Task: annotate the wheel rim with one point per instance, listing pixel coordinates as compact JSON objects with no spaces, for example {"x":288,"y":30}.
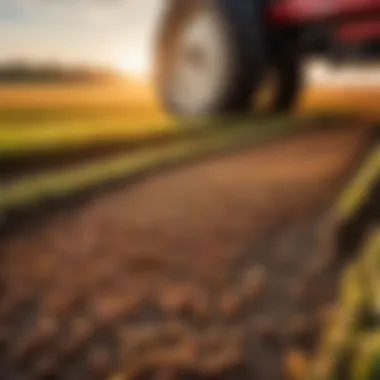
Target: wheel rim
{"x":201,"y":64}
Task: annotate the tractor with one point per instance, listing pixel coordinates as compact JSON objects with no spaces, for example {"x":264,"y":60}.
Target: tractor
{"x":221,"y":56}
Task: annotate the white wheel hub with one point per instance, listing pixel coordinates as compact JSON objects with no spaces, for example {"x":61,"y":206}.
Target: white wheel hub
{"x":201,"y":64}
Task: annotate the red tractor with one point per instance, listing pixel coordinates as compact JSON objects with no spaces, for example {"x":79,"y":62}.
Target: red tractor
{"x":216,"y":56}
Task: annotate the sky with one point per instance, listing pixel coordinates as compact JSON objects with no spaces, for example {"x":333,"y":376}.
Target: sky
{"x":115,"y":33}
{"x":101,"y":32}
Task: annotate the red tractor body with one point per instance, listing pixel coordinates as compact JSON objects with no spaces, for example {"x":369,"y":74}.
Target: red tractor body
{"x":215,"y":55}
{"x":301,"y":11}
{"x":355,"y":20}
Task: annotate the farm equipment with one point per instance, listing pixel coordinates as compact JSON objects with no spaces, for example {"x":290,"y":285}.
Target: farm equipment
{"x":217,"y":56}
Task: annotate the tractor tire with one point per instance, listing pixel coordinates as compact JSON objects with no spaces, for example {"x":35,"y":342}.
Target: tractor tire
{"x":210,"y":56}
{"x":289,"y":85}
{"x":285,"y":75}
{"x":288,"y":59}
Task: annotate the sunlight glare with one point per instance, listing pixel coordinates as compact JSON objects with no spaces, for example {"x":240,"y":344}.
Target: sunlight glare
{"x":133,"y":64}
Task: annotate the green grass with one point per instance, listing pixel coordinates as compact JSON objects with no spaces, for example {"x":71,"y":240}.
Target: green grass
{"x":53,"y":134}
{"x":360,"y":187}
{"x":359,"y":294}
{"x":62,"y":128}
{"x":346,"y":332}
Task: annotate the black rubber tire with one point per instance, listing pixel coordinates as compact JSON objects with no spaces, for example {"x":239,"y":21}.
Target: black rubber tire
{"x":289,"y":86}
{"x":287,"y":61}
{"x":284,"y":65}
{"x":243,"y":21}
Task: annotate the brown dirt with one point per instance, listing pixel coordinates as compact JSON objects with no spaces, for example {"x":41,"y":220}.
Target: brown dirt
{"x":214,"y":271}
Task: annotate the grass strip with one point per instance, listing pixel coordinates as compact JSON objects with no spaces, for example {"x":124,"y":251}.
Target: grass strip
{"x":360,"y":187}
{"x":39,"y":187}
{"x":50,"y":137}
{"x":61,"y":137}
{"x":345,"y":332}
{"x":40,"y":138}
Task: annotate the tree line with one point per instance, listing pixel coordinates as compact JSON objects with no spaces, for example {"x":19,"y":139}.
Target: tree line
{"x":23,"y":72}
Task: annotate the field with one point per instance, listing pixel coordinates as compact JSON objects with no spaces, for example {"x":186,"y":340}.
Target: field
{"x":62,"y":117}
{"x":221,"y":269}
{"x":214,"y":270}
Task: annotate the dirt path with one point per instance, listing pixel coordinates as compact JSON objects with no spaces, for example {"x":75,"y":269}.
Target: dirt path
{"x":210,"y":271}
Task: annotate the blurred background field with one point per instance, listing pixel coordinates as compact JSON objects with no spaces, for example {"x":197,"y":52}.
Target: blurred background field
{"x":58,"y":115}
{"x":25,"y":102}
{"x":63,"y":116}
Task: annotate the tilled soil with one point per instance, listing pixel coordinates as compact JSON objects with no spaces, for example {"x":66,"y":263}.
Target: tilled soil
{"x":213,"y":271}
